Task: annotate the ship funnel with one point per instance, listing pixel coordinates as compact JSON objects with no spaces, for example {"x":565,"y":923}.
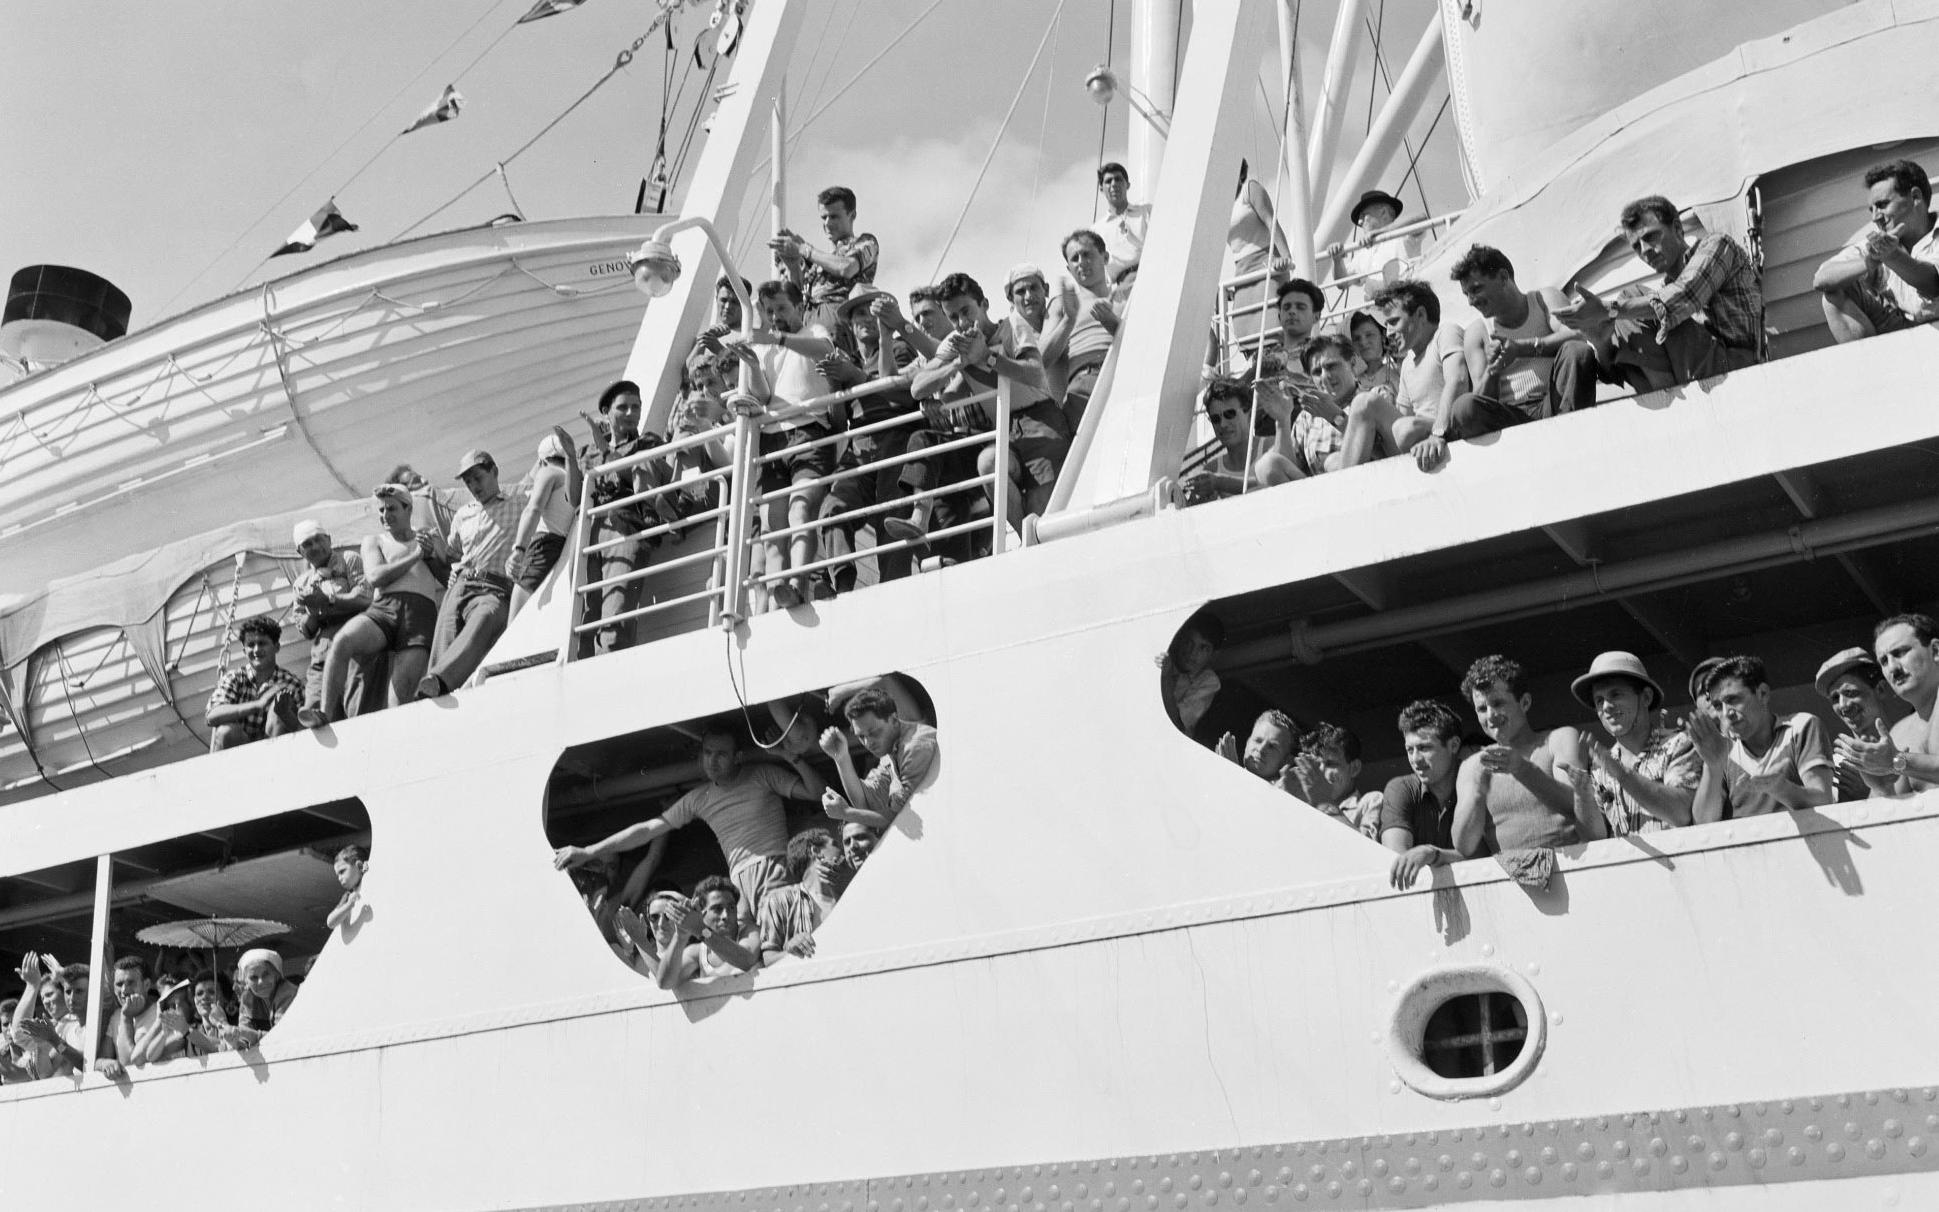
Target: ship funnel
{"x":55,"y":314}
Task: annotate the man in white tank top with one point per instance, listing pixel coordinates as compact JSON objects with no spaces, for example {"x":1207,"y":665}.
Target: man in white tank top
{"x":1525,"y":364}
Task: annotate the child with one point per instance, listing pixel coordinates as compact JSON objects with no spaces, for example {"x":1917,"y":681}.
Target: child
{"x":264,"y":994}
{"x":1186,"y":682}
{"x":351,"y":863}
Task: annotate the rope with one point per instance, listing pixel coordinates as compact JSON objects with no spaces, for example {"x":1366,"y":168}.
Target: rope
{"x":740,"y":696}
{"x":375,"y":114}
{"x":834,"y":53}
{"x":1043,"y":129}
{"x":1380,"y":64}
{"x":505,"y":177}
{"x":620,"y":63}
{"x":67,"y":693}
{"x":1104,"y":119}
{"x":229,"y":623}
{"x":1042,"y":44}
{"x":1413,"y":159}
{"x":853,"y":80}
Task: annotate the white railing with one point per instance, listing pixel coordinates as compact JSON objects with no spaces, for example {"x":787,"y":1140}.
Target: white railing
{"x":738,"y":582}
{"x":1251,"y":294}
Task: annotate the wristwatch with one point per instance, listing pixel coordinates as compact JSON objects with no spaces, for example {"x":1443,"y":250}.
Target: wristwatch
{"x":1900,"y":763}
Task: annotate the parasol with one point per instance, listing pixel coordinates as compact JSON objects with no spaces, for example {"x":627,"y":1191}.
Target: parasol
{"x":213,"y":933}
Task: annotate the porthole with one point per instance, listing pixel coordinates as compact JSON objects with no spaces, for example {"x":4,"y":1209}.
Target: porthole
{"x":1467,"y":1032}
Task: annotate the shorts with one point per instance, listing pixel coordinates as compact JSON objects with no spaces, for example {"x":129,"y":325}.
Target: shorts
{"x":1039,"y":440}
{"x":781,"y":473}
{"x":540,"y":556}
{"x":408,"y":620}
{"x":754,"y":877}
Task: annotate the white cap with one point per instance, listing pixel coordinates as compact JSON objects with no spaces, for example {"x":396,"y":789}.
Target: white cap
{"x":306,"y":530}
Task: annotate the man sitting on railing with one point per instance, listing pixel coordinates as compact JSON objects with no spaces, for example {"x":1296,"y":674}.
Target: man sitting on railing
{"x":1706,"y":319}
{"x":1433,"y":372}
{"x":1887,"y":277}
{"x":827,"y":279}
{"x":969,"y":362}
{"x":793,"y":452}
{"x":477,"y":602}
{"x":330,"y":591}
{"x":1244,"y":459}
{"x":1310,"y":421}
{"x":1029,"y":294}
{"x":1524,"y":361}
{"x":875,"y":327}
{"x":1081,"y":323}
{"x":258,"y":698}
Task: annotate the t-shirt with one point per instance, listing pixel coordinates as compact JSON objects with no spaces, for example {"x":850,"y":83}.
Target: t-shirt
{"x":1881,"y":281}
{"x":908,"y":766}
{"x":745,"y":814}
{"x":793,"y":378}
{"x":1424,"y":378}
{"x":1124,"y":235}
{"x":787,"y":913}
{"x":1362,"y":812}
{"x":1797,"y":747}
{"x":1409,"y":803}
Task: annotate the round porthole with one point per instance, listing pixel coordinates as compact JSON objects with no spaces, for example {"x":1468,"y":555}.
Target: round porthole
{"x":1467,"y":1032}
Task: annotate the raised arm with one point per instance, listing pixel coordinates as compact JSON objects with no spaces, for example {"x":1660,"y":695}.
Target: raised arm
{"x":630,"y":838}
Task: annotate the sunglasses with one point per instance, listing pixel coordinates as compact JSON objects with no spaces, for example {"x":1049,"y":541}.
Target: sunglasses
{"x":1227,"y":414}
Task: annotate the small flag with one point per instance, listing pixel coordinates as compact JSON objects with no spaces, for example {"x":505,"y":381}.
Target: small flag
{"x":549,"y":8}
{"x":445,"y":108}
{"x":325,"y":222}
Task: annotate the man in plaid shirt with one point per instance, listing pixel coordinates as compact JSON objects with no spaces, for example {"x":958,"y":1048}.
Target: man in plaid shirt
{"x":258,"y":698}
{"x":1706,"y":319}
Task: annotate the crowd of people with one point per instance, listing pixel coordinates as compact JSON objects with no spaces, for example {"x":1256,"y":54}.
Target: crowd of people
{"x":784,"y":870}
{"x":1315,"y":402}
{"x":154,"y":1009}
{"x":1519,"y":791}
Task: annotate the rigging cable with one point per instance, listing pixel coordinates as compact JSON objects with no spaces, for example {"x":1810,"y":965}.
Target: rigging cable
{"x":1273,"y":229}
{"x":997,"y":142}
{"x":244,"y":234}
{"x":1104,"y":119}
{"x":1043,"y":130}
{"x":620,"y":63}
{"x":1413,"y":156}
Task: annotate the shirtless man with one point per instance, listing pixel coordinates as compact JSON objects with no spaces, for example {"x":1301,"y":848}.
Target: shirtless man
{"x":1525,"y":363}
{"x":1518,"y":793}
{"x":1905,"y":757}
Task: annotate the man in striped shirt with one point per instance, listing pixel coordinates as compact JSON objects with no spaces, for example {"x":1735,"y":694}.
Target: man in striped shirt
{"x":477,"y":602}
{"x":1706,"y":319}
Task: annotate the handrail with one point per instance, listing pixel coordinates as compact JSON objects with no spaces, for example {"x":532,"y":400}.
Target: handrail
{"x":740,"y":497}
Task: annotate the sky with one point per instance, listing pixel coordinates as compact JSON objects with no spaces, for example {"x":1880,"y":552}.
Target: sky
{"x":171,"y":148}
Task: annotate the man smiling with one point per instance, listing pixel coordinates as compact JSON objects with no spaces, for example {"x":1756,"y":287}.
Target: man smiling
{"x":1646,"y":778}
{"x":1887,"y":277}
{"x":1904,"y":758}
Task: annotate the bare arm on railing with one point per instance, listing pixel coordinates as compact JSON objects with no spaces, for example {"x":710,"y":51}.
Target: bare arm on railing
{"x":1060,"y":320}
{"x":887,"y":313}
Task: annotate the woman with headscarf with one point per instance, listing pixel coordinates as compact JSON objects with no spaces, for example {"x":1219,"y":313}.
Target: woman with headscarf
{"x":262,"y":994}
